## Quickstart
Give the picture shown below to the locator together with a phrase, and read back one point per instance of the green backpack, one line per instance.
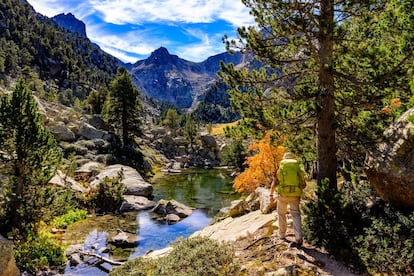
(290, 178)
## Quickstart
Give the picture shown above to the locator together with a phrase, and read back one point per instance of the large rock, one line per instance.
(231, 229)
(133, 181)
(209, 141)
(390, 168)
(136, 203)
(88, 170)
(62, 180)
(97, 122)
(166, 207)
(89, 132)
(7, 263)
(124, 239)
(237, 208)
(62, 133)
(260, 199)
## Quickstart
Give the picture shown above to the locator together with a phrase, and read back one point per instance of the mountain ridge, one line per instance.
(71, 23)
(166, 77)
(60, 53)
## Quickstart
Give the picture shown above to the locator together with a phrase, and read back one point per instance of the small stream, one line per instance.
(206, 190)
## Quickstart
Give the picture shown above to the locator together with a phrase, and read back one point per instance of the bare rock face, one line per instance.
(133, 181)
(7, 262)
(390, 168)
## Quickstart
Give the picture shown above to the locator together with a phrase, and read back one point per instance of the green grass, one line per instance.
(70, 217)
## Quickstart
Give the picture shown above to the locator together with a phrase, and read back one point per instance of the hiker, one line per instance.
(289, 181)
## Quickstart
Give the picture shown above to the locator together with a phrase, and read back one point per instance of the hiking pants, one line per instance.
(293, 202)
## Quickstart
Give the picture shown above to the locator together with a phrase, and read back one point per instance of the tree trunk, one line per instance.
(326, 101)
(124, 124)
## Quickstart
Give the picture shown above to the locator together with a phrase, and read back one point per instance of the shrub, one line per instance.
(108, 196)
(39, 252)
(360, 228)
(386, 244)
(411, 119)
(195, 256)
(70, 217)
(261, 165)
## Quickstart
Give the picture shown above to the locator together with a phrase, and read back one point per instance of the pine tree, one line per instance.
(190, 128)
(28, 159)
(122, 107)
(172, 120)
(321, 62)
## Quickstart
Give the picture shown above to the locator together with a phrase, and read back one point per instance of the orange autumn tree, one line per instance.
(261, 165)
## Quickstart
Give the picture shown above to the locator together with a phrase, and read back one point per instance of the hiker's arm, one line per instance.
(303, 179)
(273, 187)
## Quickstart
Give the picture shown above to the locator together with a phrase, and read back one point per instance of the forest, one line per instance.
(335, 86)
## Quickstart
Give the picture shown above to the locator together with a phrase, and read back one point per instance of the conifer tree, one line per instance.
(122, 108)
(28, 159)
(327, 63)
(172, 120)
(190, 128)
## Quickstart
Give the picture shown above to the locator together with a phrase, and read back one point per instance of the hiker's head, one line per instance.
(288, 155)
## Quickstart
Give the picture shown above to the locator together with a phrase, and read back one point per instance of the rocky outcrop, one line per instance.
(62, 133)
(89, 132)
(124, 239)
(133, 181)
(390, 168)
(166, 208)
(7, 263)
(135, 203)
(259, 199)
(231, 229)
(204, 153)
(88, 170)
(61, 180)
(71, 23)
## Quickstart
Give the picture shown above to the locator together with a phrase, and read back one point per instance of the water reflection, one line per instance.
(206, 190)
(95, 239)
(160, 235)
(203, 189)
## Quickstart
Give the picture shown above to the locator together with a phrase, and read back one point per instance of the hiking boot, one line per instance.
(298, 243)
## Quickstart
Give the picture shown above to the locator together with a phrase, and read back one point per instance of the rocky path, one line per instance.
(261, 252)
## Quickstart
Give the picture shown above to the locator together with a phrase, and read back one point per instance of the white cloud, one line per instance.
(48, 7)
(210, 44)
(123, 56)
(188, 11)
(142, 13)
(134, 41)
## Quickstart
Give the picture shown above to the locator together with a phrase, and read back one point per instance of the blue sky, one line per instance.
(131, 29)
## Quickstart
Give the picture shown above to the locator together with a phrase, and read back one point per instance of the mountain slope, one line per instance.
(58, 51)
(71, 23)
(69, 62)
(167, 77)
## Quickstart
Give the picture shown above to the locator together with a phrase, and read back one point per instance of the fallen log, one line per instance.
(106, 260)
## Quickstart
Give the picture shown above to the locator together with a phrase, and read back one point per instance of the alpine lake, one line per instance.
(206, 190)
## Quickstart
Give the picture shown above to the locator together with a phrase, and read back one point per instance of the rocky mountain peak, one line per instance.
(71, 23)
(161, 56)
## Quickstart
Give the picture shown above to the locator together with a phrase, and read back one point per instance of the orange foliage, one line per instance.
(261, 166)
(395, 104)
